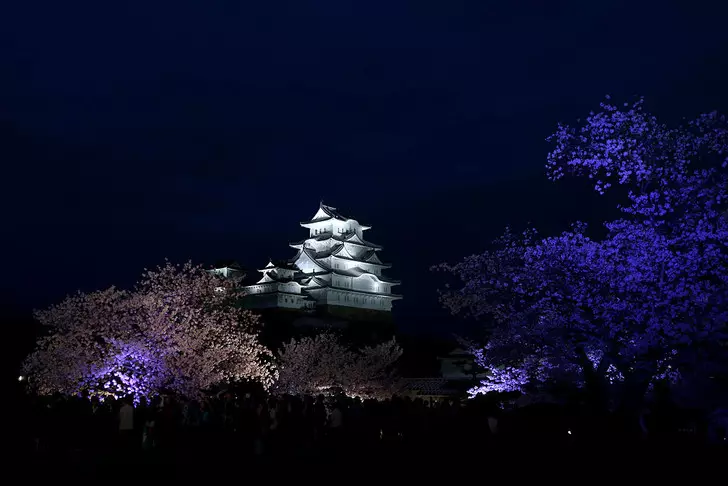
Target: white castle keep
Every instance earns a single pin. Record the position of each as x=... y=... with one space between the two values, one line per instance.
x=334 y=266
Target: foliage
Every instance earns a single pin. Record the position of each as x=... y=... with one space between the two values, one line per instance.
x=311 y=365
x=175 y=331
x=647 y=300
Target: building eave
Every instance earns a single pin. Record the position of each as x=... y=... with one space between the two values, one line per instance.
x=313 y=222
x=355 y=260
x=364 y=292
x=326 y=285
x=361 y=242
x=343 y=239
x=314 y=259
x=276 y=291
x=380 y=279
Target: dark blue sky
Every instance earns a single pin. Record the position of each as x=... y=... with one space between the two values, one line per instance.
x=133 y=131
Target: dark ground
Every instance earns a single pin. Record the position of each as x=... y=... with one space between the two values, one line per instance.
x=464 y=462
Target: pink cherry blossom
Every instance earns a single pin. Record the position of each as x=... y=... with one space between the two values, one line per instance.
x=173 y=331
x=312 y=365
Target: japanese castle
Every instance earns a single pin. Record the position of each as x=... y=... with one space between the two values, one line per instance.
x=334 y=266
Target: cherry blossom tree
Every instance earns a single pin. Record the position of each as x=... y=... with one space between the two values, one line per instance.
x=372 y=374
x=312 y=365
x=644 y=302
x=177 y=330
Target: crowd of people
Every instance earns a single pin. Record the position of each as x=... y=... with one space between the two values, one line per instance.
x=246 y=424
x=250 y=426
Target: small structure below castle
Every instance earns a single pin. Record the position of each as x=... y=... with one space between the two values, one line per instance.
x=334 y=266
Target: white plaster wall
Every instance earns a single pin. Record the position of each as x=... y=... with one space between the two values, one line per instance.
x=348 y=265
x=259 y=288
x=342 y=227
x=347 y=299
x=340 y=264
x=317 y=229
x=289 y=301
x=341 y=281
x=319 y=245
x=290 y=287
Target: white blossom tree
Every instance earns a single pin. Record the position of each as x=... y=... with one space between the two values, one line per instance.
x=313 y=365
x=176 y=330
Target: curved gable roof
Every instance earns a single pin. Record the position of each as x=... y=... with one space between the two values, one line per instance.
x=313 y=257
x=326 y=213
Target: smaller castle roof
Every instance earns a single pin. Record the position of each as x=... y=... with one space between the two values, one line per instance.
x=233 y=264
x=276 y=264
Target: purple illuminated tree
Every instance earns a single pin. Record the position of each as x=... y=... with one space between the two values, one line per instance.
x=313 y=365
x=176 y=330
x=646 y=301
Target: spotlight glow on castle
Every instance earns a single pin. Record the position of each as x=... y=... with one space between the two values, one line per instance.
x=334 y=266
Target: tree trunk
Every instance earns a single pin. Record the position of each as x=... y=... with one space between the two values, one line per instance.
x=595 y=383
x=632 y=402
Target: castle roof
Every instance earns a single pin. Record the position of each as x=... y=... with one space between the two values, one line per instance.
x=273 y=276
x=232 y=264
x=351 y=238
x=315 y=256
x=276 y=290
x=358 y=272
x=320 y=284
x=370 y=257
x=328 y=213
x=305 y=277
x=282 y=264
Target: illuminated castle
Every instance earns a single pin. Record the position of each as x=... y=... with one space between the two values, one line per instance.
x=334 y=266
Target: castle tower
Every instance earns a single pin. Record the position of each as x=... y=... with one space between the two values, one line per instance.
x=229 y=269
x=334 y=266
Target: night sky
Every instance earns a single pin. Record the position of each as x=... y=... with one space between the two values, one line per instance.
x=134 y=131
